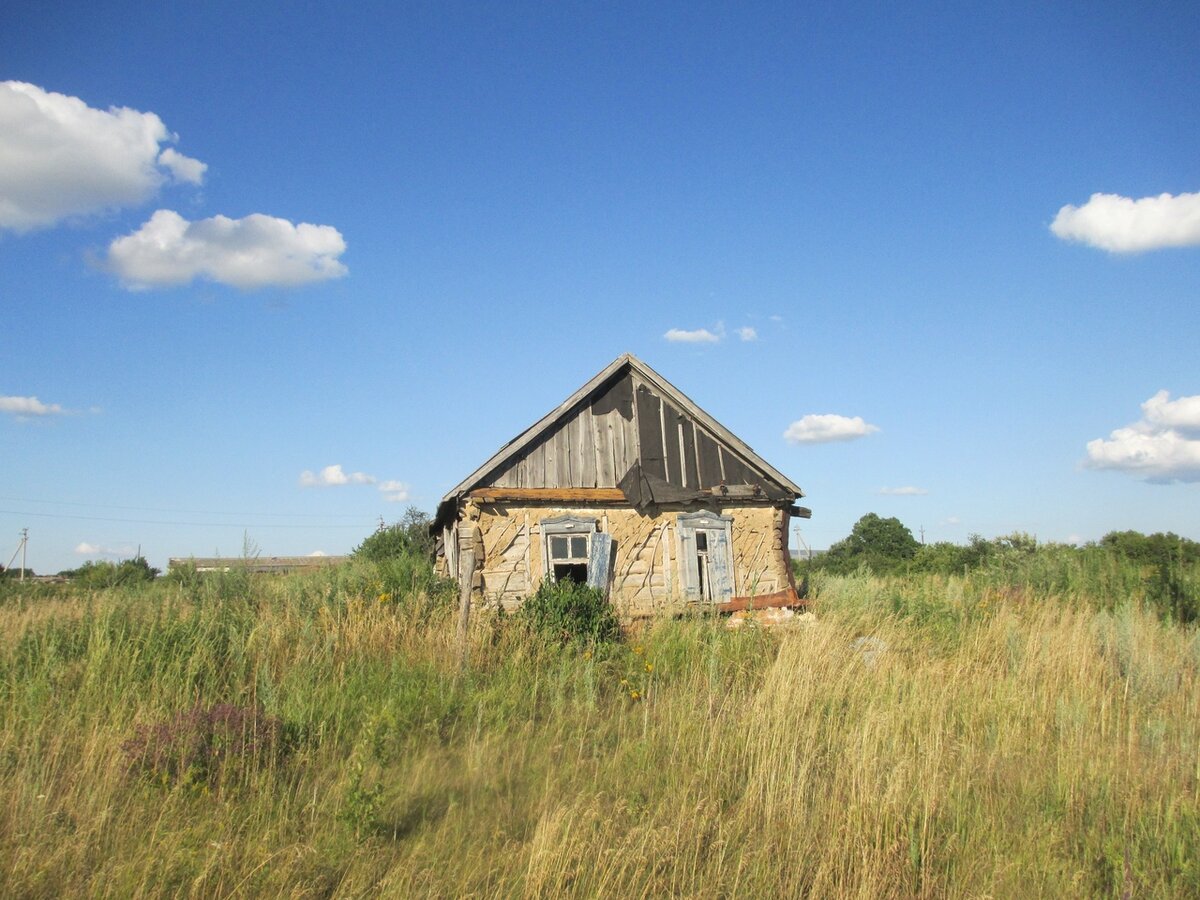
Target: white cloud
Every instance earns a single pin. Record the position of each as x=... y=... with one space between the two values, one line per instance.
x=907 y=491
x=60 y=157
x=252 y=252
x=333 y=476
x=746 y=333
x=183 y=168
x=394 y=491
x=29 y=406
x=84 y=548
x=697 y=336
x=318 y=553
x=1182 y=414
x=1124 y=225
x=952 y=520
x=1161 y=447
x=821 y=429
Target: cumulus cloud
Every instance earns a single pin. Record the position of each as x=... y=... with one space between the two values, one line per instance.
x=696 y=336
x=29 y=406
x=394 y=491
x=907 y=491
x=822 y=429
x=1124 y=225
x=252 y=252
x=183 y=168
x=746 y=333
x=1164 y=446
x=333 y=476
x=60 y=157
x=84 y=548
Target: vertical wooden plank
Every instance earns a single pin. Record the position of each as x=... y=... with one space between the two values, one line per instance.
x=709 y=460
x=671 y=450
x=683 y=467
x=587 y=449
x=551 y=456
x=562 y=452
x=605 y=469
x=649 y=432
x=687 y=441
x=616 y=426
x=666 y=443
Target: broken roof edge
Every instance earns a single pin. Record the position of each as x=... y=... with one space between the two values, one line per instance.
x=534 y=431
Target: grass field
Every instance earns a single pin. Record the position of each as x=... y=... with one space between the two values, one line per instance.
x=313 y=736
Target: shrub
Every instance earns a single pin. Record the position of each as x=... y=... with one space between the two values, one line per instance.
x=565 y=611
x=106 y=574
x=205 y=745
x=408 y=537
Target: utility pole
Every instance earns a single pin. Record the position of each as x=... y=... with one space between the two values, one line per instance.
x=922 y=534
x=800 y=542
x=20 y=549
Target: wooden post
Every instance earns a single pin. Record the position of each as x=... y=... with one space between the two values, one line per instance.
x=466 y=580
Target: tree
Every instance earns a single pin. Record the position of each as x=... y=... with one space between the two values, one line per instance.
x=409 y=536
x=880 y=544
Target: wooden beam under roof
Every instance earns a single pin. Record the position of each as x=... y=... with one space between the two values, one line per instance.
x=548 y=495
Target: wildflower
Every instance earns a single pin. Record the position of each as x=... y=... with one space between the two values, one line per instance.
x=635 y=696
x=649 y=667
x=638 y=650
x=587 y=654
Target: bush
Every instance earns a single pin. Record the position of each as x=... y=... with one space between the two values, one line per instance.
x=106 y=574
x=564 y=611
x=408 y=537
x=205 y=745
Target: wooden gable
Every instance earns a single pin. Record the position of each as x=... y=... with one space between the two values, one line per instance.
x=629 y=419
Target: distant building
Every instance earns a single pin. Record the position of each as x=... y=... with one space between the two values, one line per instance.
x=633 y=488
x=277 y=565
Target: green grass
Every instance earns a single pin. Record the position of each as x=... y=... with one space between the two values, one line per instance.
x=1017 y=738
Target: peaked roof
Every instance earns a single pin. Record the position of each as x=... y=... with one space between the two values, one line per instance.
x=625 y=364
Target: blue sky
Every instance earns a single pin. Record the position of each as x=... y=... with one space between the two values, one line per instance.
x=932 y=261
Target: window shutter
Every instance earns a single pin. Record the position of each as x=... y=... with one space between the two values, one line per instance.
x=687 y=562
x=599 y=561
x=718 y=566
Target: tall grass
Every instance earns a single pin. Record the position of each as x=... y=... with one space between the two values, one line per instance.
x=1001 y=740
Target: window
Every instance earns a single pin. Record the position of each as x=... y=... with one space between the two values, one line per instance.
x=569 y=557
x=573 y=548
x=705 y=562
x=567 y=544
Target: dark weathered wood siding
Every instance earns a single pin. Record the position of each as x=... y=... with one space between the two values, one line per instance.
x=627 y=421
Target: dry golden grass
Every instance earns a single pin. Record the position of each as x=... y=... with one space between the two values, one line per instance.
x=1034 y=748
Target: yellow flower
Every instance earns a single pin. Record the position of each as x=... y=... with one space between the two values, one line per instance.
x=635 y=696
x=638 y=650
x=649 y=667
x=587 y=654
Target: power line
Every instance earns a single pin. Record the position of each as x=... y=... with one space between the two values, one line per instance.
x=362 y=523
x=191 y=512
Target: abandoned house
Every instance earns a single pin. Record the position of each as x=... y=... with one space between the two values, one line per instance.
x=630 y=487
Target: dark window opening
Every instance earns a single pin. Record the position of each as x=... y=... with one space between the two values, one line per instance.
x=576 y=572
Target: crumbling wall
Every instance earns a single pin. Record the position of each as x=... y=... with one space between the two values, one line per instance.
x=645 y=575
